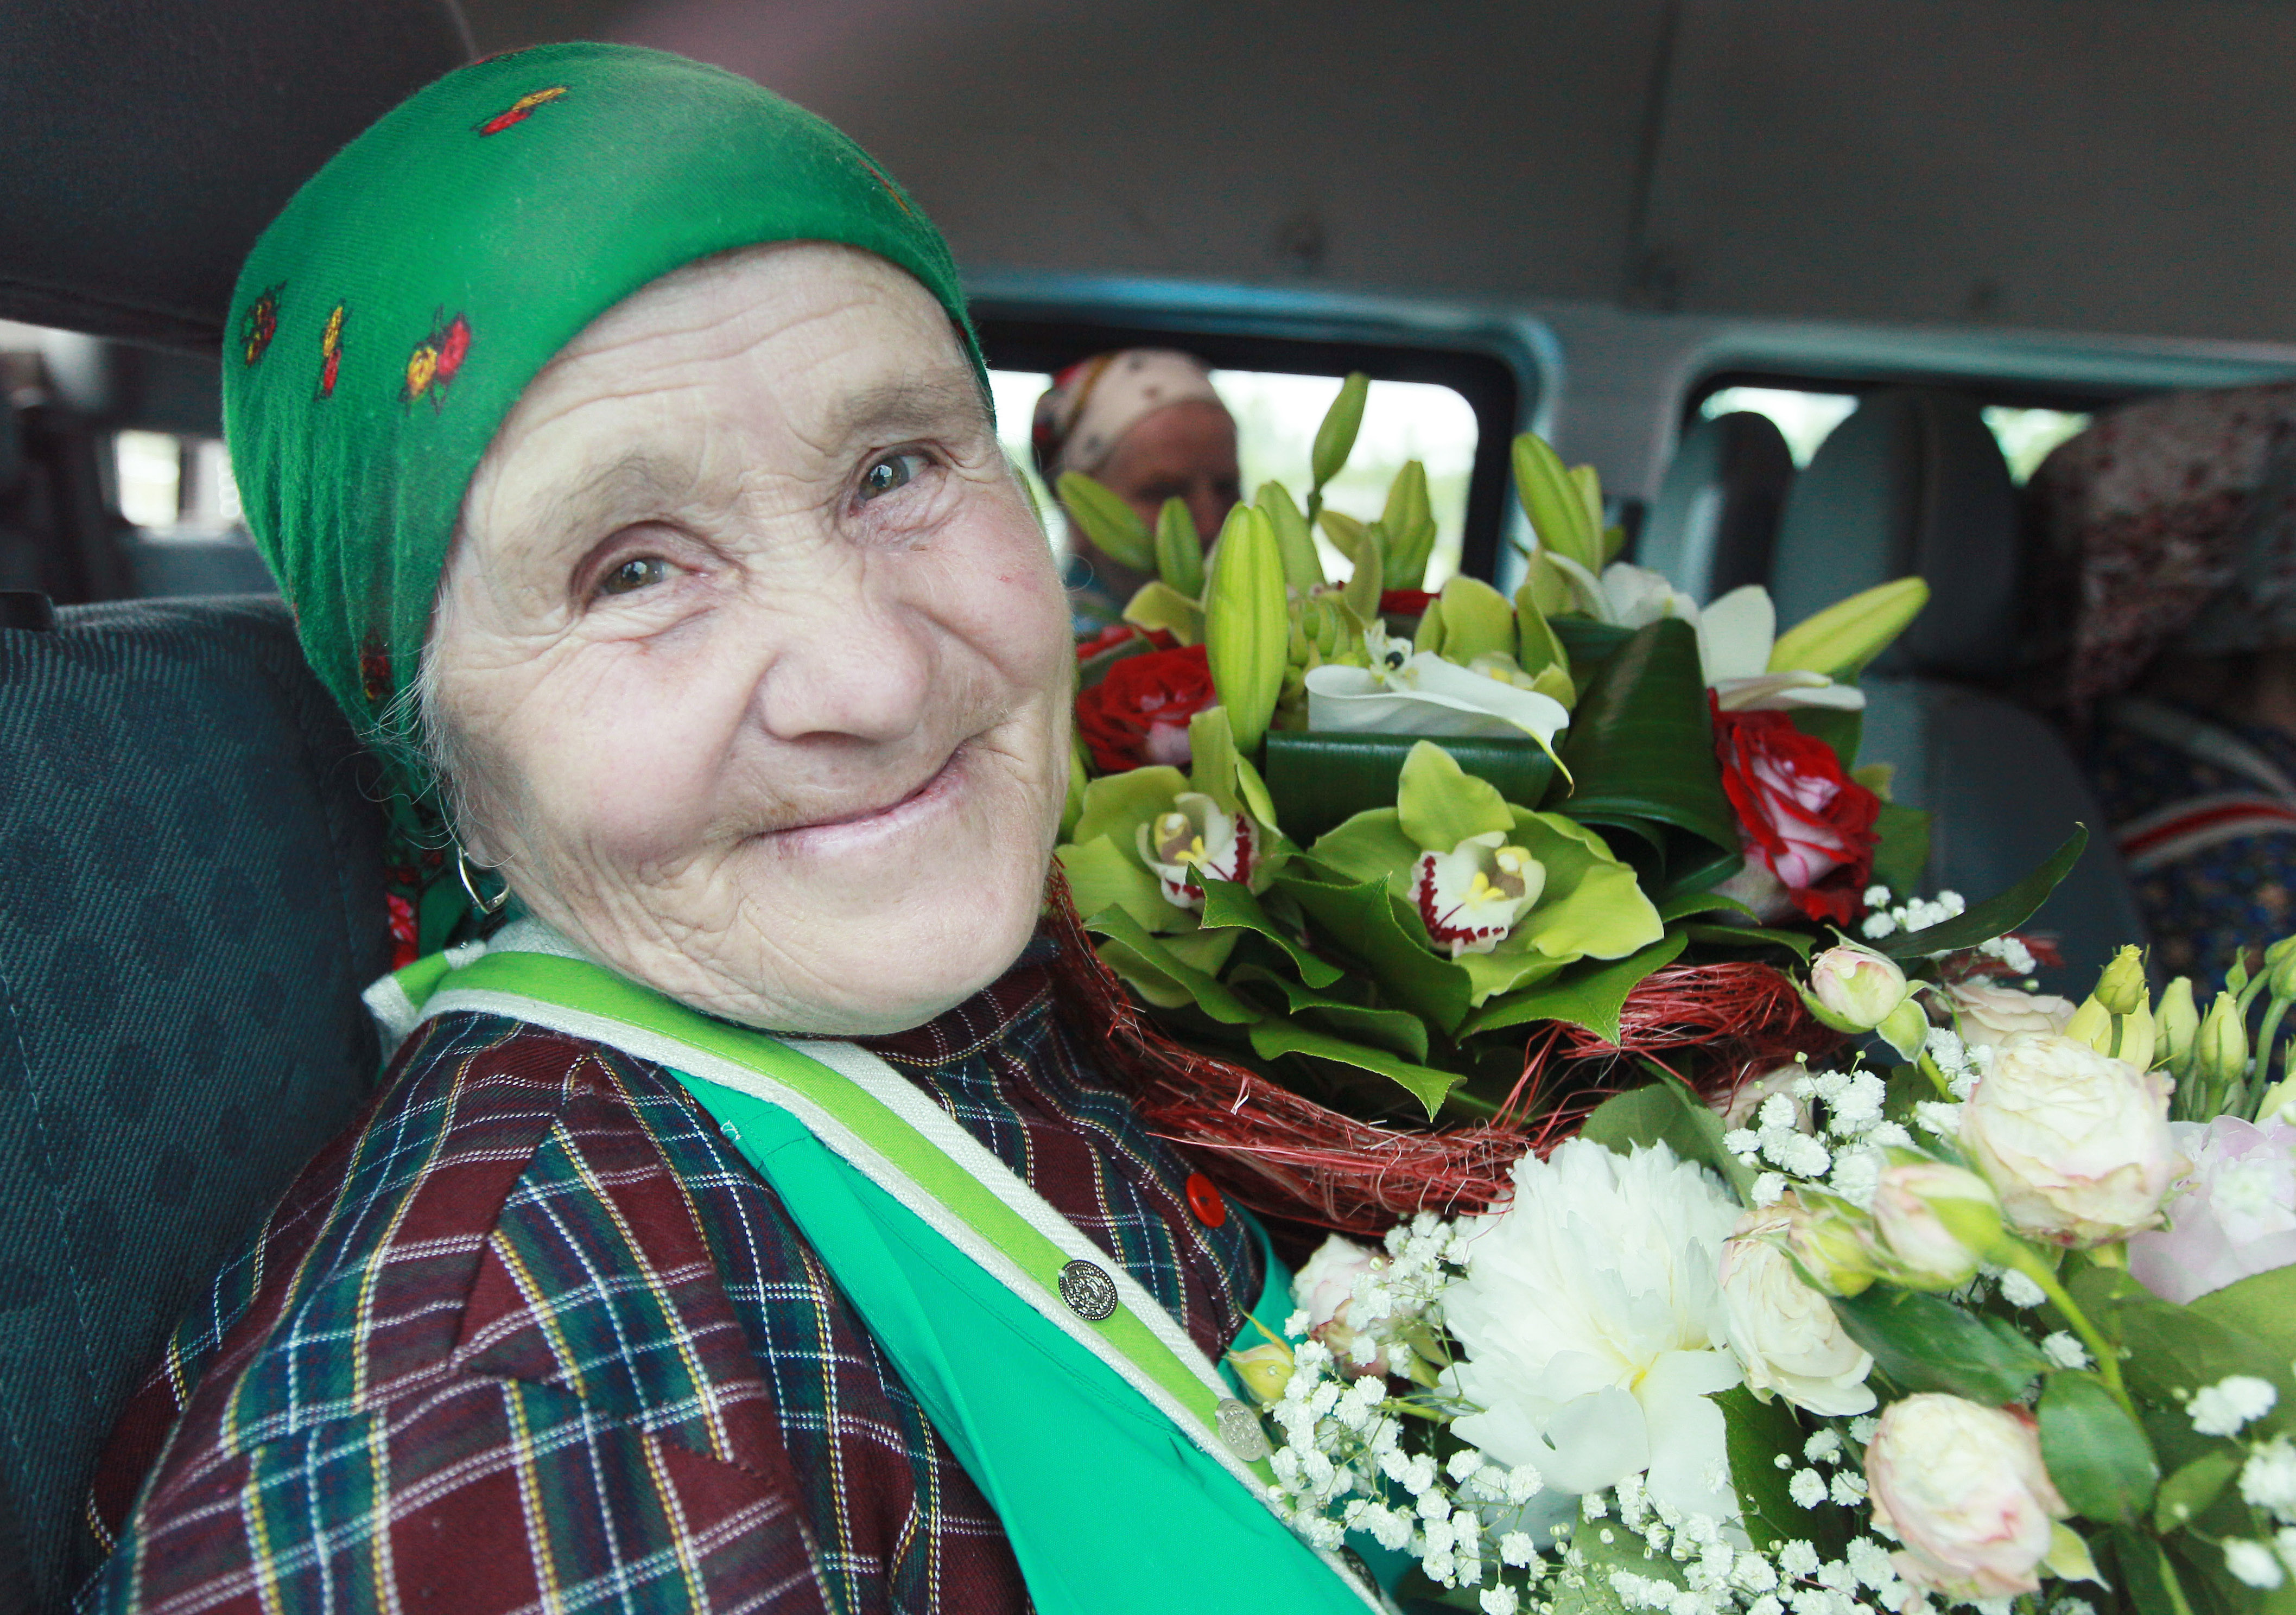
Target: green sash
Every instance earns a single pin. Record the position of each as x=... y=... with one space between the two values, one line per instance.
x=1127 y=1477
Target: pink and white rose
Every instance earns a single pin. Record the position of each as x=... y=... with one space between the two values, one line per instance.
x=1785 y=1335
x=1990 y=1015
x=2234 y=1215
x=1963 y=1488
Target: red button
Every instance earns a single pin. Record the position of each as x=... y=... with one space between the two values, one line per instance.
x=1204 y=1200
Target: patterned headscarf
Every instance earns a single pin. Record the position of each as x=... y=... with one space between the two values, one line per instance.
x=2169 y=522
x=387 y=322
x=1094 y=402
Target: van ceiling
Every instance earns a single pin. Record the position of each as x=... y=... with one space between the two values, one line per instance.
x=2085 y=164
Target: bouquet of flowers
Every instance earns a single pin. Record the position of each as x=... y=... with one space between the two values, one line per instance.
x=2008 y=1321
x=1411 y=877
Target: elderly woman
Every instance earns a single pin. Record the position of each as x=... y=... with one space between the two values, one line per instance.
x=1146 y=422
x=741 y=1227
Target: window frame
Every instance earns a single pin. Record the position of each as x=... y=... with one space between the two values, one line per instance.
x=1989 y=392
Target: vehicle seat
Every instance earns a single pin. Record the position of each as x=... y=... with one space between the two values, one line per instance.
x=192 y=899
x=58 y=534
x=1716 y=516
x=1914 y=482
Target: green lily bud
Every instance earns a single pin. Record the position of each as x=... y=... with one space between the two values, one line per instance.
x=2120 y=988
x=2280 y=979
x=1842 y=638
x=1107 y=520
x=2220 y=1053
x=1368 y=582
x=1410 y=525
x=1939 y=1222
x=1247 y=624
x=1546 y=589
x=1557 y=507
x=1303 y=568
x=1179 y=549
x=2178 y=1024
x=1336 y=438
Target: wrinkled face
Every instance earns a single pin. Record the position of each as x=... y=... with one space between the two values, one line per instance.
x=751 y=662
x=1183 y=451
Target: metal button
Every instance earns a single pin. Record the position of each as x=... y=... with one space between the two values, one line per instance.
x=1240 y=1429
x=1089 y=1291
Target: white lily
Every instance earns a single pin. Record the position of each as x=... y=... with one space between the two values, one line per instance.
x=1406 y=692
x=1735 y=636
x=1194 y=839
x=1470 y=897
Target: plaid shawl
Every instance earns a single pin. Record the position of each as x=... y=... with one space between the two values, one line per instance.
x=529 y=1336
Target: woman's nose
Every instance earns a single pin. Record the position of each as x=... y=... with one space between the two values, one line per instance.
x=846 y=663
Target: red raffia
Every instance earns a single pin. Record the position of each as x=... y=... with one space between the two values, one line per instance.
x=1283 y=1153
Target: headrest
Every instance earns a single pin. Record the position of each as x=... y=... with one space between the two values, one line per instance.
x=12 y=448
x=1912 y=482
x=1716 y=516
x=149 y=142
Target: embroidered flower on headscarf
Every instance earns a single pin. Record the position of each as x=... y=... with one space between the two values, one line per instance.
x=1193 y=838
x=258 y=325
x=1470 y=897
x=1139 y=712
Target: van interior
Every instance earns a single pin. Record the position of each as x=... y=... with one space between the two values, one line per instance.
x=1813 y=284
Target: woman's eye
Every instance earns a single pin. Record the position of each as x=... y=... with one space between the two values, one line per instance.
x=639 y=572
x=890 y=471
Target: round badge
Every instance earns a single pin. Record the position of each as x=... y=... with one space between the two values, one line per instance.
x=1204 y=1200
x=1240 y=1430
x=1090 y=1292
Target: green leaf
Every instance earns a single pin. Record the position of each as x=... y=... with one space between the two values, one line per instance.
x=1537 y=647
x=1231 y=903
x=1107 y=520
x=1321 y=780
x=1439 y=804
x=2173 y=1351
x=2262 y=1306
x=1664 y=1112
x=1995 y=915
x=1158 y=604
x=1336 y=438
x=1641 y=746
x=1398 y=1031
x=1553 y=503
x=1369 y=847
x=1756 y=1433
x=1247 y=625
x=1211 y=993
x=1590 y=996
x=1271 y=1039
x=1116 y=805
x=2096 y=1453
x=1429 y=634
x=2186 y=1495
x=1368 y=581
x=1101 y=875
x=1503 y=970
x=1924 y=1343
x=1684 y=904
x=1843 y=731
x=1477 y=620
x=1902 y=852
x=1179 y=549
x=1303 y=568
x=1361 y=919
x=2147 y=1574
x=1750 y=935
x=1410 y=527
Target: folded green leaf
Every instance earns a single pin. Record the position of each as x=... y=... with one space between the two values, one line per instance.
x=1398 y=1031
x=1107 y=520
x=1663 y=1111
x=1684 y=904
x=1336 y=438
x=1641 y=746
x=1995 y=915
x=1229 y=902
x=1924 y=1343
x=2186 y=1495
x=1749 y=936
x=1590 y=995
x=1211 y=993
x=1272 y=1039
x=1361 y=920
x=1179 y=549
x=2096 y=1453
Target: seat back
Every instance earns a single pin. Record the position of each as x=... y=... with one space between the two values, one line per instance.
x=191 y=900
x=1914 y=482
x=1715 y=521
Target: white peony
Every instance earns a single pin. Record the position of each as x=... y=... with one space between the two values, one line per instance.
x=1591 y=1329
x=1991 y=1015
x=1785 y=1335
x=2076 y=1142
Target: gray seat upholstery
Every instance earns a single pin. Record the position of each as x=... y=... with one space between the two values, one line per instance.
x=191 y=896
x=1914 y=482
x=1715 y=521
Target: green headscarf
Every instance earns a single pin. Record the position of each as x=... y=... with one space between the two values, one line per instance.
x=389 y=318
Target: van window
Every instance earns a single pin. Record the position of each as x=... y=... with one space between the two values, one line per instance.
x=165 y=482
x=1806 y=418
x=1277 y=414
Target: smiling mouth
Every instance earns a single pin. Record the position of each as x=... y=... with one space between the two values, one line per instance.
x=939 y=783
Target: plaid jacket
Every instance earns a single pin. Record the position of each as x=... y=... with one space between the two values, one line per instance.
x=529 y=1337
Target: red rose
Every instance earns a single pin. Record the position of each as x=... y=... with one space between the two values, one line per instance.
x=1800 y=816
x=1139 y=713
x=1404 y=602
x=1120 y=634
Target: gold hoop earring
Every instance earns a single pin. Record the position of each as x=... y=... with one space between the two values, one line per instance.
x=462 y=868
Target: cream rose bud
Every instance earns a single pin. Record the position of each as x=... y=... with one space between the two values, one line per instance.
x=1991 y=1015
x=1324 y=1285
x=1938 y=1220
x=1854 y=989
x=1785 y=1334
x=1963 y=1487
x=2075 y=1142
